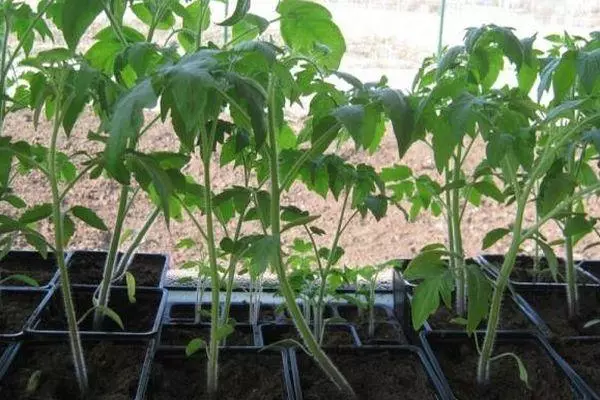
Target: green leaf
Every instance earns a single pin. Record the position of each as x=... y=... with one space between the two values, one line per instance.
x=223 y=331
x=263 y=252
x=241 y=10
x=186 y=243
x=377 y=205
x=493 y=236
x=588 y=69
x=448 y=60
x=523 y=375
x=77 y=16
x=360 y=121
x=130 y=282
x=89 y=217
x=125 y=125
x=426 y=264
x=250 y=27
x=554 y=189
x=110 y=313
x=400 y=112
x=15 y=201
x=490 y=190
x=395 y=173
x=36 y=213
x=21 y=278
x=564 y=76
x=300 y=221
x=194 y=345
x=68 y=230
x=578 y=225
x=308 y=28
x=479 y=292
x=550 y=258
x=426 y=299
x=161 y=181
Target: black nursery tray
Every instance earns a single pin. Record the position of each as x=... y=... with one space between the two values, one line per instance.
x=20 y=309
x=336 y=335
x=115 y=368
x=519 y=277
x=453 y=356
x=180 y=334
x=141 y=319
x=382 y=373
x=149 y=269
x=249 y=374
x=31 y=264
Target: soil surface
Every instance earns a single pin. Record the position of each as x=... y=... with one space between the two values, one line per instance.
x=181 y=335
x=511 y=317
x=16 y=308
x=551 y=305
x=238 y=311
x=387 y=331
x=459 y=364
x=29 y=264
x=584 y=357
x=335 y=336
x=523 y=271
x=355 y=315
x=137 y=317
x=113 y=372
x=87 y=268
x=380 y=375
x=248 y=376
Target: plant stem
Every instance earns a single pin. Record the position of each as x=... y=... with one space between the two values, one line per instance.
x=6 y=33
x=65 y=283
x=114 y=23
x=483 y=366
x=301 y=324
x=233 y=260
x=459 y=267
x=111 y=260
x=571 y=278
x=441 y=27
x=126 y=258
x=212 y=375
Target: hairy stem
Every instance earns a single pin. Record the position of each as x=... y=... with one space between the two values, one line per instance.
x=111 y=259
x=461 y=293
x=288 y=294
x=571 y=278
x=65 y=283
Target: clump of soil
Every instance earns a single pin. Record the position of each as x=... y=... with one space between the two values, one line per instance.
x=355 y=315
x=386 y=331
x=458 y=360
x=181 y=335
x=551 y=305
x=381 y=375
x=86 y=268
x=29 y=264
x=243 y=375
x=511 y=318
x=335 y=335
x=584 y=358
x=16 y=308
x=137 y=317
x=113 y=371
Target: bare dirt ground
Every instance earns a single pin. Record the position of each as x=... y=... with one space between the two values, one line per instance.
x=387 y=40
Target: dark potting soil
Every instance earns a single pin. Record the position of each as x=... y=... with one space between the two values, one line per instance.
x=512 y=318
x=584 y=357
x=137 y=317
x=29 y=264
x=355 y=315
x=523 y=272
x=248 y=376
x=383 y=375
x=240 y=312
x=383 y=331
x=181 y=335
x=113 y=371
x=459 y=364
x=334 y=336
x=16 y=308
x=87 y=269
x=551 y=305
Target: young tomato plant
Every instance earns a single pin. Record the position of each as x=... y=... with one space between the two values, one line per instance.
x=539 y=162
x=459 y=104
